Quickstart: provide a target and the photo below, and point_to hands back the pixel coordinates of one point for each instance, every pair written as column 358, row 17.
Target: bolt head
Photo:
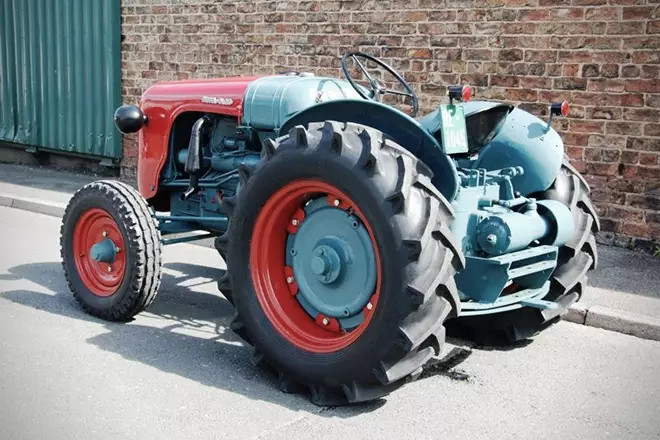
column 294, row 222
column 370, row 306
column 336, row 202
column 117, row 249
column 491, row 238
column 326, row 321
column 109, row 268
column 105, row 233
column 289, row 280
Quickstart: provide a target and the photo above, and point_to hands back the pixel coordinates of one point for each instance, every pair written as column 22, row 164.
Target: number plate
column 454, row 133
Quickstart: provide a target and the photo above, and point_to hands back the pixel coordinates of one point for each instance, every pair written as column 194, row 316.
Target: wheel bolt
column 336, row 202
column 325, row 321
column 105, row 233
column 289, row 280
column 294, row 222
column 117, row 249
column 370, row 306
column 109, row 268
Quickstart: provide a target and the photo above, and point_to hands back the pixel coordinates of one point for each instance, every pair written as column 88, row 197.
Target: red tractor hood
column 225, row 95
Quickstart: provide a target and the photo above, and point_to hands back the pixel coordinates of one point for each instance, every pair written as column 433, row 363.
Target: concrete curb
column 619, row 321
column 595, row 316
column 33, row 205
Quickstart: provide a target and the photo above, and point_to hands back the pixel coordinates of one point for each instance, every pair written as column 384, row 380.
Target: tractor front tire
column 342, row 193
column 111, row 250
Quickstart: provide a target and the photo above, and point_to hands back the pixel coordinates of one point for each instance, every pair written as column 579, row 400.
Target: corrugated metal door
column 60, row 74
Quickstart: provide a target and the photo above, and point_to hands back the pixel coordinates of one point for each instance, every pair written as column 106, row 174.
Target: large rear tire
column 322, row 175
column 567, row 282
column 111, row 250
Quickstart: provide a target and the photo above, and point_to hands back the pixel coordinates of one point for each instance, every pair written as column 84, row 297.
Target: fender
column 403, row 129
column 527, row 141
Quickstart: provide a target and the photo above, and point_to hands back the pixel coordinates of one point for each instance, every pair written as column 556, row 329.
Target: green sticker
column 454, row 133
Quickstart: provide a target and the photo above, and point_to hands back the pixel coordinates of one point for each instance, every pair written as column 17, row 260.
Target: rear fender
column 403, row 129
column 527, row 141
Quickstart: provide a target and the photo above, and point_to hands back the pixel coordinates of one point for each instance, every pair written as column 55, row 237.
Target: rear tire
column 417, row 260
column 567, row 282
column 117, row 211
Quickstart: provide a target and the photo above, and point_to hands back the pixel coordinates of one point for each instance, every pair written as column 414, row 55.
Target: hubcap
column 333, row 263
column 103, row 251
column 98, row 252
column 314, row 266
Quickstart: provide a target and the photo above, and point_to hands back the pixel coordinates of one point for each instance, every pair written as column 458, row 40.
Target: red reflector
column 466, row 93
column 564, row 108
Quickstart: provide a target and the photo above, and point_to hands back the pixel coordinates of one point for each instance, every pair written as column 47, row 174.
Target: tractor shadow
column 184, row 332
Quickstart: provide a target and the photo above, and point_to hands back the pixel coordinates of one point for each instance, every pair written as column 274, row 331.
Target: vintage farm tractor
column 352, row 231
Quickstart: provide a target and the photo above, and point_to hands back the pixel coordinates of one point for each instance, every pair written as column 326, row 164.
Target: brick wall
column 602, row 55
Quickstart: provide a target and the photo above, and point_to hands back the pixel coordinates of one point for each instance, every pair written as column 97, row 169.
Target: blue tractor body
column 509, row 240
column 355, row 235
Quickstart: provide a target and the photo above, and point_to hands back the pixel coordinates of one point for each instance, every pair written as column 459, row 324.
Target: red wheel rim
column 269, row 272
column 102, row 279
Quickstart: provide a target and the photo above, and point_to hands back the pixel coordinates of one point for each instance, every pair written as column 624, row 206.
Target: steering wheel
column 377, row 89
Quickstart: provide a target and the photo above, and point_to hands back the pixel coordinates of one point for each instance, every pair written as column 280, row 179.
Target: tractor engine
column 207, row 167
column 510, row 242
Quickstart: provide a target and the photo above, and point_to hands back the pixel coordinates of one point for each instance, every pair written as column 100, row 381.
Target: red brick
column 651, row 129
column 521, row 94
column 643, row 85
column 602, row 13
column 625, row 213
column 650, row 159
column 627, row 128
column 605, row 85
column 632, row 100
column 609, row 70
column 567, row 13
column 641, row 12
column 533, row 14
column 653, row 27
column 647, row 115
column 587, row 126
column 607, row 141
column 644, row 144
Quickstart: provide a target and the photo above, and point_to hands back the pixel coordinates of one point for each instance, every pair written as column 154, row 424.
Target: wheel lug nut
column 336, row 202
column 117, row 249
column 325, row 321
column 109, row 268
column 289, row 280
column 105, row 233
column 370, row 306
column 294, row 222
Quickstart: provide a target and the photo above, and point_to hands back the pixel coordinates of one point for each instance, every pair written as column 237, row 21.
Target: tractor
column 355, row 233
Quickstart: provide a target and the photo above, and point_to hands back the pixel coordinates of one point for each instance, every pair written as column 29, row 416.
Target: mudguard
column 403, row 129
column 523, row 140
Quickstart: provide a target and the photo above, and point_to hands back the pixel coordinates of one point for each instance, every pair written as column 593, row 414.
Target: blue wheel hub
column 334, row 264
column 104, row 251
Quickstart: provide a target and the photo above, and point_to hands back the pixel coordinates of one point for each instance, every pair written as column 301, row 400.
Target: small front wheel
column 111, row 250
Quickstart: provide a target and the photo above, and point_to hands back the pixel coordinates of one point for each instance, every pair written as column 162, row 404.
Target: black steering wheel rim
column 376, row 88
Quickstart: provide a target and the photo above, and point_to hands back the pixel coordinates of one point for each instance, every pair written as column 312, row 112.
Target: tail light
column 460, row 93
column 559, row 108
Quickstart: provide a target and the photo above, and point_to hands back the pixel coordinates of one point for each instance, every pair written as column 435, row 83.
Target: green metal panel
column 60, row 74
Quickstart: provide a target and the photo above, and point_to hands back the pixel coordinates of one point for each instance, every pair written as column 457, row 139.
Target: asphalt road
column 177, row 372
